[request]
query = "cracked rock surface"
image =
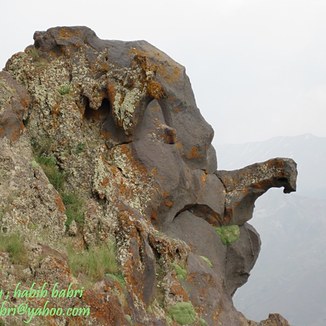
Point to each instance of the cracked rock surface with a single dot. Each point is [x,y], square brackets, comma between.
[102,141]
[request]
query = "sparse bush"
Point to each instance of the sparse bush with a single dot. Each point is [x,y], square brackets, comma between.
[32,51]
[41,146]
[14,245]
[74,207]
[94,263]
[52,171]
[72,201]
[183,313]
[228,233]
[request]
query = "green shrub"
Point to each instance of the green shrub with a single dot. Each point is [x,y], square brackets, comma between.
[183,313]
[14,245]
[95,262]
[180,271]
[228,234]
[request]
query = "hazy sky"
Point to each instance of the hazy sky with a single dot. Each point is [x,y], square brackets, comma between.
[258,67]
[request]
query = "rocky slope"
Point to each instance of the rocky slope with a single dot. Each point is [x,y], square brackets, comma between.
[109,185]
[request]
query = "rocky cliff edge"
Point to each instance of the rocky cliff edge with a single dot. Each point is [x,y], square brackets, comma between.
[109,184]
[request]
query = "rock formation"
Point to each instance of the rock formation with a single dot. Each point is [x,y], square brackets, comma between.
[103,152]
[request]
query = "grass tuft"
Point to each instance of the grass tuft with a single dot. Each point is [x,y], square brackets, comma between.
[52,171]
[73,203]
[95,262]
[14,245]
[74,207]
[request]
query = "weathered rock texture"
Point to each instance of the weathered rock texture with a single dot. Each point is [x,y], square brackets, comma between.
[118,122]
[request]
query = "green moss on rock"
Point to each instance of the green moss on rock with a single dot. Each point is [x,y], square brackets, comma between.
[228,233]
[180,271]
[183,313]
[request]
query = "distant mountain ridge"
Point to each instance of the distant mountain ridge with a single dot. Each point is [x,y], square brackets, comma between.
[289,274]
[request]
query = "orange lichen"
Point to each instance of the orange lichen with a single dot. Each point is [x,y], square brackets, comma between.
[176,109]
[67,33]
[168,203]
[154,215]
[203,178]
[178,291]
[105,182]
[111,92]
[194,153]
[179,145]
[155,90]
[107,312]
[24,102]
[59,203]
[170,74]
[55,109]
